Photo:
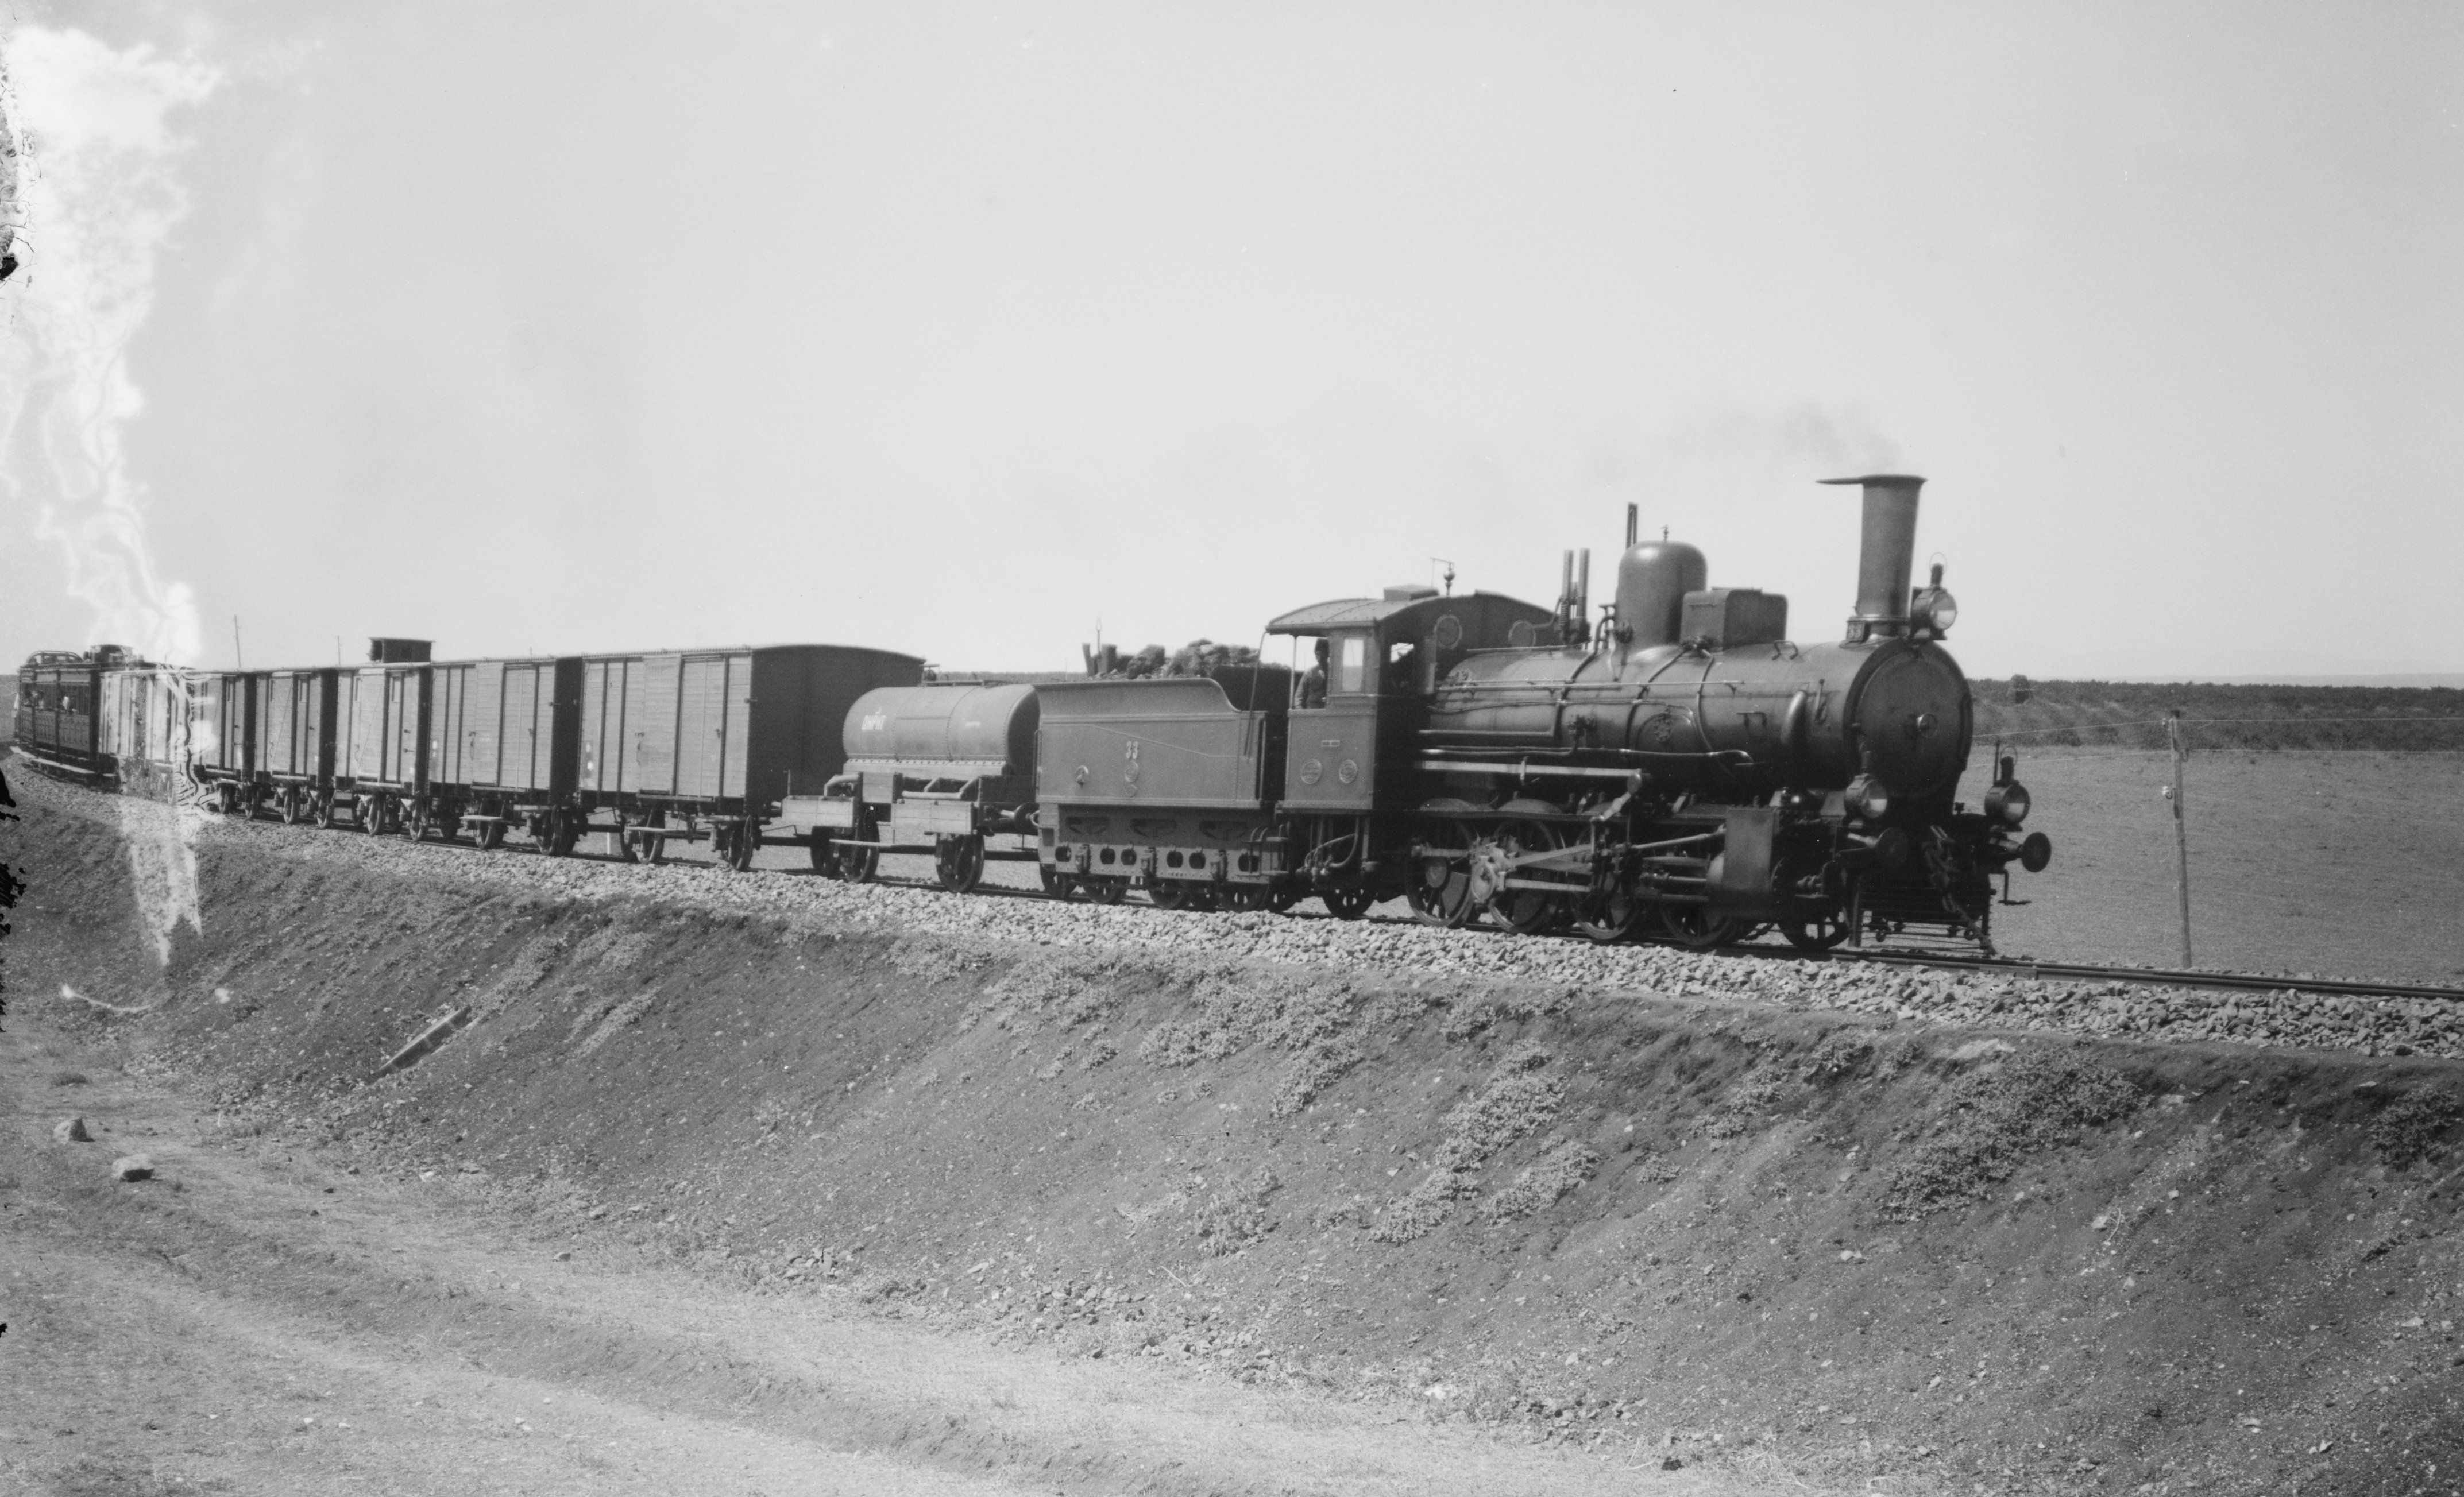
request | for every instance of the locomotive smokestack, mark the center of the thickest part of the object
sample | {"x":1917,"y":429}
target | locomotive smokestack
{"x":1887,"y":558}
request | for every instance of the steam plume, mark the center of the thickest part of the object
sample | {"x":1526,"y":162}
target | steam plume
{"x":92,"y":162}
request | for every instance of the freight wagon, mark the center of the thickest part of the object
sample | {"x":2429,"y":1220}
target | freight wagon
{"x":142,"y":730}
{"x":222,"y":737}
{"x":60,"y":697}
{"x":706,"y":744}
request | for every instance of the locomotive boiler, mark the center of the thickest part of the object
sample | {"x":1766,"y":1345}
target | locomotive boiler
{"x":1686,"y":761}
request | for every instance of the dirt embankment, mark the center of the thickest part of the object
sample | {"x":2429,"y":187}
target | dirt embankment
{"x":1858,"y":1248}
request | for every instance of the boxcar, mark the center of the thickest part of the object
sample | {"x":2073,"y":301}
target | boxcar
{"x":946,"y":770}
{"x":144,"y":732}
{"x":296,"y":738}
{"x":1168,"y":783}
{"x":60,"y":698}
{"x":382,"y":762}
{"x":222,"y":735}
{"x":504,"y":747}
{"x":708,"y":742}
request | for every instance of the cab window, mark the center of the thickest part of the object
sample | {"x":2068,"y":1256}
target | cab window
{"x":1352,"y":663}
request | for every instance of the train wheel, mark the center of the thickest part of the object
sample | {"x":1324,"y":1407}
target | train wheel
{"x":1348,"y":904}
{"x":372,"y":817}
{"x":294,"y":812}
{"x":412,"y":820}
{"x":1108,"y":891}
{"x":858,"y":864}
{"x":490,"y":836}
{"x":1440,"y":892}
{"x":743,"y":846}
{"x":959,"y":863}
{"x":1282,"y":897}
{"x":1056,"y":883}
{"x":1528,"y":910}
{"x":1692,"y":927}
{"x":1820,"y":934}
{"x":819,"y":848}
{"x":1169,"y":893}
{"x":1610,"y":917}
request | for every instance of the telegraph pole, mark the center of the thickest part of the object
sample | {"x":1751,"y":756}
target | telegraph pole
{"x":2181,"y":828}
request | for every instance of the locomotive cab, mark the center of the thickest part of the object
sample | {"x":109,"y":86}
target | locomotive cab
{"x":1353,"y":740}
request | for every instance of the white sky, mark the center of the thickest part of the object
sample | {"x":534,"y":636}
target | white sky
{"x":951,"y":329}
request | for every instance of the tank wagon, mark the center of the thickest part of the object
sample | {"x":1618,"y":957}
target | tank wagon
{"x":946,"y":770}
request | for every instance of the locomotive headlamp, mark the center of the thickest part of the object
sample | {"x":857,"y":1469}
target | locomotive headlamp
{"x":1935,"y":610}
{"x":1868,"y":798}
{"x":2008,"y":802}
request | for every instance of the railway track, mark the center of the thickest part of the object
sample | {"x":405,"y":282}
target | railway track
{"x":2018,"y":968}
{"x":2145,"y":977}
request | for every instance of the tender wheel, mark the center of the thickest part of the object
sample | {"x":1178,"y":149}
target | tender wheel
{"x":1440,"y":892}
{"x":1692,"y":927}
{"x":1169,"y":893}
{"x":1283,"y":897}
{"x":959,"y":861}
{"x":1107,"y":891}
{"x":1820,"y":934}
{"x":1349,"y":904}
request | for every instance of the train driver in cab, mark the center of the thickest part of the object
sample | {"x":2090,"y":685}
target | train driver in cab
{"x":1313,"y":684}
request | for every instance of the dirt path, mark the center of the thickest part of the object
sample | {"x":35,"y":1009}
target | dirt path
{"x":254,"y":1322}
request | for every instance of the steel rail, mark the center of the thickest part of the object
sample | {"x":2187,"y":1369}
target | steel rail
{"x":2151,"y":976}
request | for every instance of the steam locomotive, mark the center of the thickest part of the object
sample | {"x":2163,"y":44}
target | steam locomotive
{"x":1677,"y":769}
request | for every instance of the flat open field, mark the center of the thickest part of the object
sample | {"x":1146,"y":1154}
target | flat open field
{"x":2339,"y":863}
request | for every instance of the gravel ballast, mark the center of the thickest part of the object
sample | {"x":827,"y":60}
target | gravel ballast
{"x":2118,"y":1010}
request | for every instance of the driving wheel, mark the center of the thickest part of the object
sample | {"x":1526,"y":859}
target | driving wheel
{"x":1439,"y":890}
{"x":1692,"y":927}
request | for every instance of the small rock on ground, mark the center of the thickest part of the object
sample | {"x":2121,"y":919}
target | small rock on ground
{"x":132,"y":1167}
{"x":71,"y":1129}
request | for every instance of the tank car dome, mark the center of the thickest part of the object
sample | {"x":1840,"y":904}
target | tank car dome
{"x":1911,"y":721}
